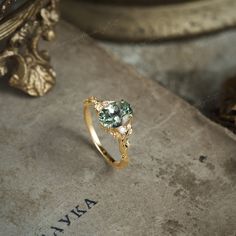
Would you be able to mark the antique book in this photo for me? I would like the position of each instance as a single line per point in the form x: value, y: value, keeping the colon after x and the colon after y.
x: 182, y: 172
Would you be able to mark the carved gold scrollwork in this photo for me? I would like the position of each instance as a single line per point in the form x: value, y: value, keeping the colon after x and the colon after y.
x: 33, y: 74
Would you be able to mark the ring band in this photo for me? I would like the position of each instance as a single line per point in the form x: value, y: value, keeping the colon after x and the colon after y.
x: 116, y: 119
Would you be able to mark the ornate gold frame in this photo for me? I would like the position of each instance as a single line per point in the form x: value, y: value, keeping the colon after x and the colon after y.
x: 33, y: 74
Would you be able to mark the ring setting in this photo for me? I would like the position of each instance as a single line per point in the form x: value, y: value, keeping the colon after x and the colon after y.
x: 115, y: 118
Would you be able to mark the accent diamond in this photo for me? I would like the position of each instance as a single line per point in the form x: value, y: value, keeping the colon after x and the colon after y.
x: 122, y: 129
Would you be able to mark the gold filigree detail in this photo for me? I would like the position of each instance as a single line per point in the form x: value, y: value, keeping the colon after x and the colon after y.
x: 34, y: 75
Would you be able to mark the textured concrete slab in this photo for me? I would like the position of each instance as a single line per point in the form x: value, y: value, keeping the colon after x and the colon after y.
x: 181, y: 179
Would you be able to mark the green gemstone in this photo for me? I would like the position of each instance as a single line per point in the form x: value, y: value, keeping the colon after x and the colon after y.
x: 114, y: 114
x: 125, y: 108
x: 110, y: 116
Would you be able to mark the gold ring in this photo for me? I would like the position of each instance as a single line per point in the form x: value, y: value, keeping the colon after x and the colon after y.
x: 116, y: 119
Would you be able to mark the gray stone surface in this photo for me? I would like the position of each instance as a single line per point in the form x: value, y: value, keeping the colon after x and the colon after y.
x: 194, y: 69
x: 181, y: 179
